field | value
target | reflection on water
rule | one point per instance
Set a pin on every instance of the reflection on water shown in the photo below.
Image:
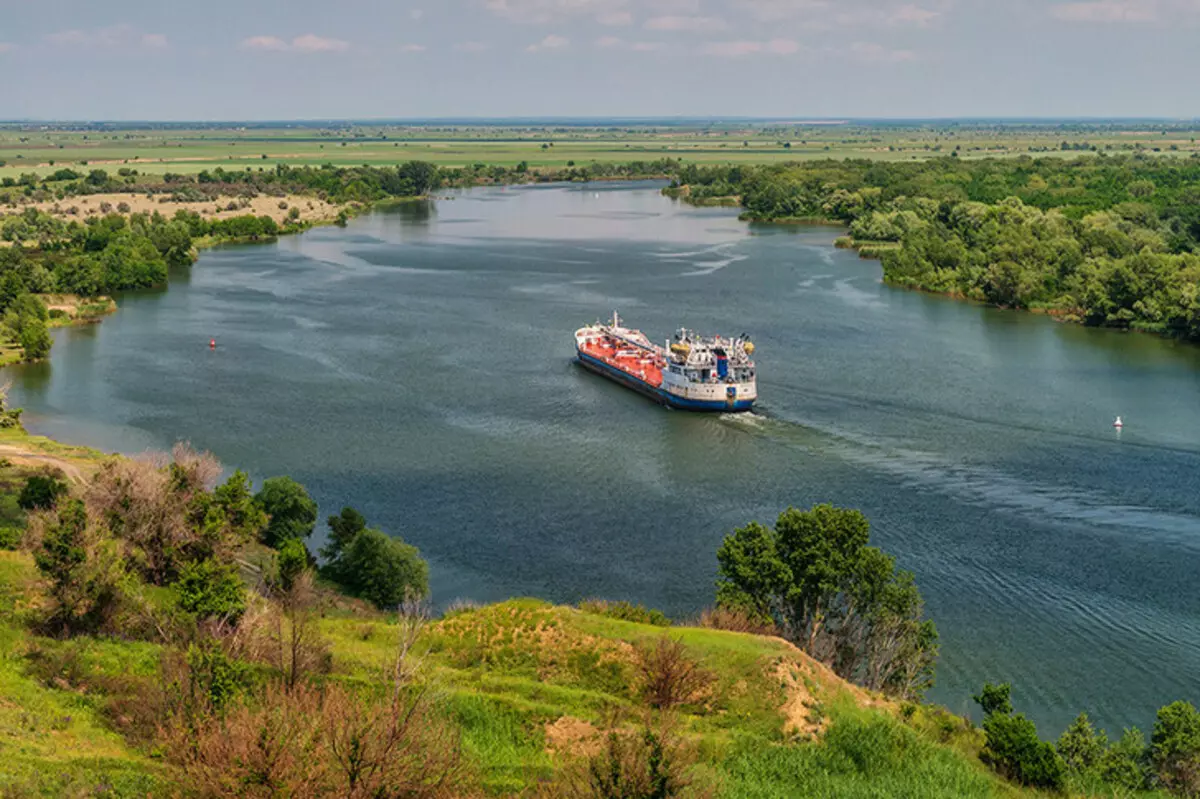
(417, 365)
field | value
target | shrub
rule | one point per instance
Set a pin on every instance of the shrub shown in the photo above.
(164, 512)
(83, 566)
(381, 569)
(669, 676)
(212, 590)
(41, 492)
(1012, 746)
(648, 765)
(1122, 765)
(290, 563)
(291, 512)
(1175, 748)
(320, 742)
(10, 537)
(1081, 746)
(626, 611)
(1014, 750)
(736, 621)
(123, 207)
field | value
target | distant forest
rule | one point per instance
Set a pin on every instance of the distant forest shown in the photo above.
(1109, 241)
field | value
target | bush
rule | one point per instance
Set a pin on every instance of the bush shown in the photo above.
(1014, 750)
(381, 569)
(1175, 748)
(1122, 765)
(291, 562)
(320, 742)
(84, 568)
(212, 590)
(10, 537)
(1081, 746)
(625, 611)
(291, 512)
(1012, 746)
(735, 621)
(648, 765)
(41, 492)
(669, 676)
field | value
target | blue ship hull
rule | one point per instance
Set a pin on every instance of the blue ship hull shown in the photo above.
(657, 394)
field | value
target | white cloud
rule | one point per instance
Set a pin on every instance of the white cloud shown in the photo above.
(1108, 11)
(264, 43)
(872, 53)
(311, 43)
(7, 47)
(416, 13)
(686, 24)
(123, 37)
(471, 47)
(551, 42)
(413, 48)
(308, 43)
(745, 47)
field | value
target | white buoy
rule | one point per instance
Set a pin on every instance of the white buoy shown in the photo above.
(1118, 424)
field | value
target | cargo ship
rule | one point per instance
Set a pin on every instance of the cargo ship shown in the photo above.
(691, 372)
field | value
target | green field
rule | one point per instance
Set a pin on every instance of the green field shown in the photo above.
(41, 150)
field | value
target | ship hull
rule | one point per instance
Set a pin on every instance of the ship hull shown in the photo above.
(657, 394)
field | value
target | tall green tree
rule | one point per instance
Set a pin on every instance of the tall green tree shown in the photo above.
(291, 512)
(841, 600)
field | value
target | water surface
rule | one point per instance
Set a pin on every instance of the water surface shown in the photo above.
(417, 366)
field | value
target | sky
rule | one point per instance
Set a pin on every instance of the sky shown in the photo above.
(793, 59)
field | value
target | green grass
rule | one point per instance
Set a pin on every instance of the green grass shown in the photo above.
(862, 754)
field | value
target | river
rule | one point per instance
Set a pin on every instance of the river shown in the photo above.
(417, 366)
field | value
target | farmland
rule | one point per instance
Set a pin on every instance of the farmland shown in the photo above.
(43, 148)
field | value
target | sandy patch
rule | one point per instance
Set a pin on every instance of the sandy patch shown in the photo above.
(312, 209)
(801, 714)
(571, 736)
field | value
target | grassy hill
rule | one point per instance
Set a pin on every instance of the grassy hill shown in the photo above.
(530, 699)
(530, 686)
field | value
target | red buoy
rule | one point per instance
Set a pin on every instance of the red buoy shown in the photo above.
(212, 343)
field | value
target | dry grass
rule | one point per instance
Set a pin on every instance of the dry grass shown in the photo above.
(319, 742)
(312, 209)
(670, 677)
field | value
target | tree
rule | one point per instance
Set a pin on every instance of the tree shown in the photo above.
(291, 561)
(41, 492)
(381, 569)
(342, 529)
(1175, 748)
(839, 599)
(246, 519)
(83, 567)
(994, 699)
(1012, 746)
(1081, 746)
(35, 340)
(291, 512)
(1123, 764)
(212, 590)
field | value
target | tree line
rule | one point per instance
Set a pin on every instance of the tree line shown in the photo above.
(1109, 241)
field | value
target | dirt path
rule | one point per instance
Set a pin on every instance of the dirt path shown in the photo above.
(23, 456)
